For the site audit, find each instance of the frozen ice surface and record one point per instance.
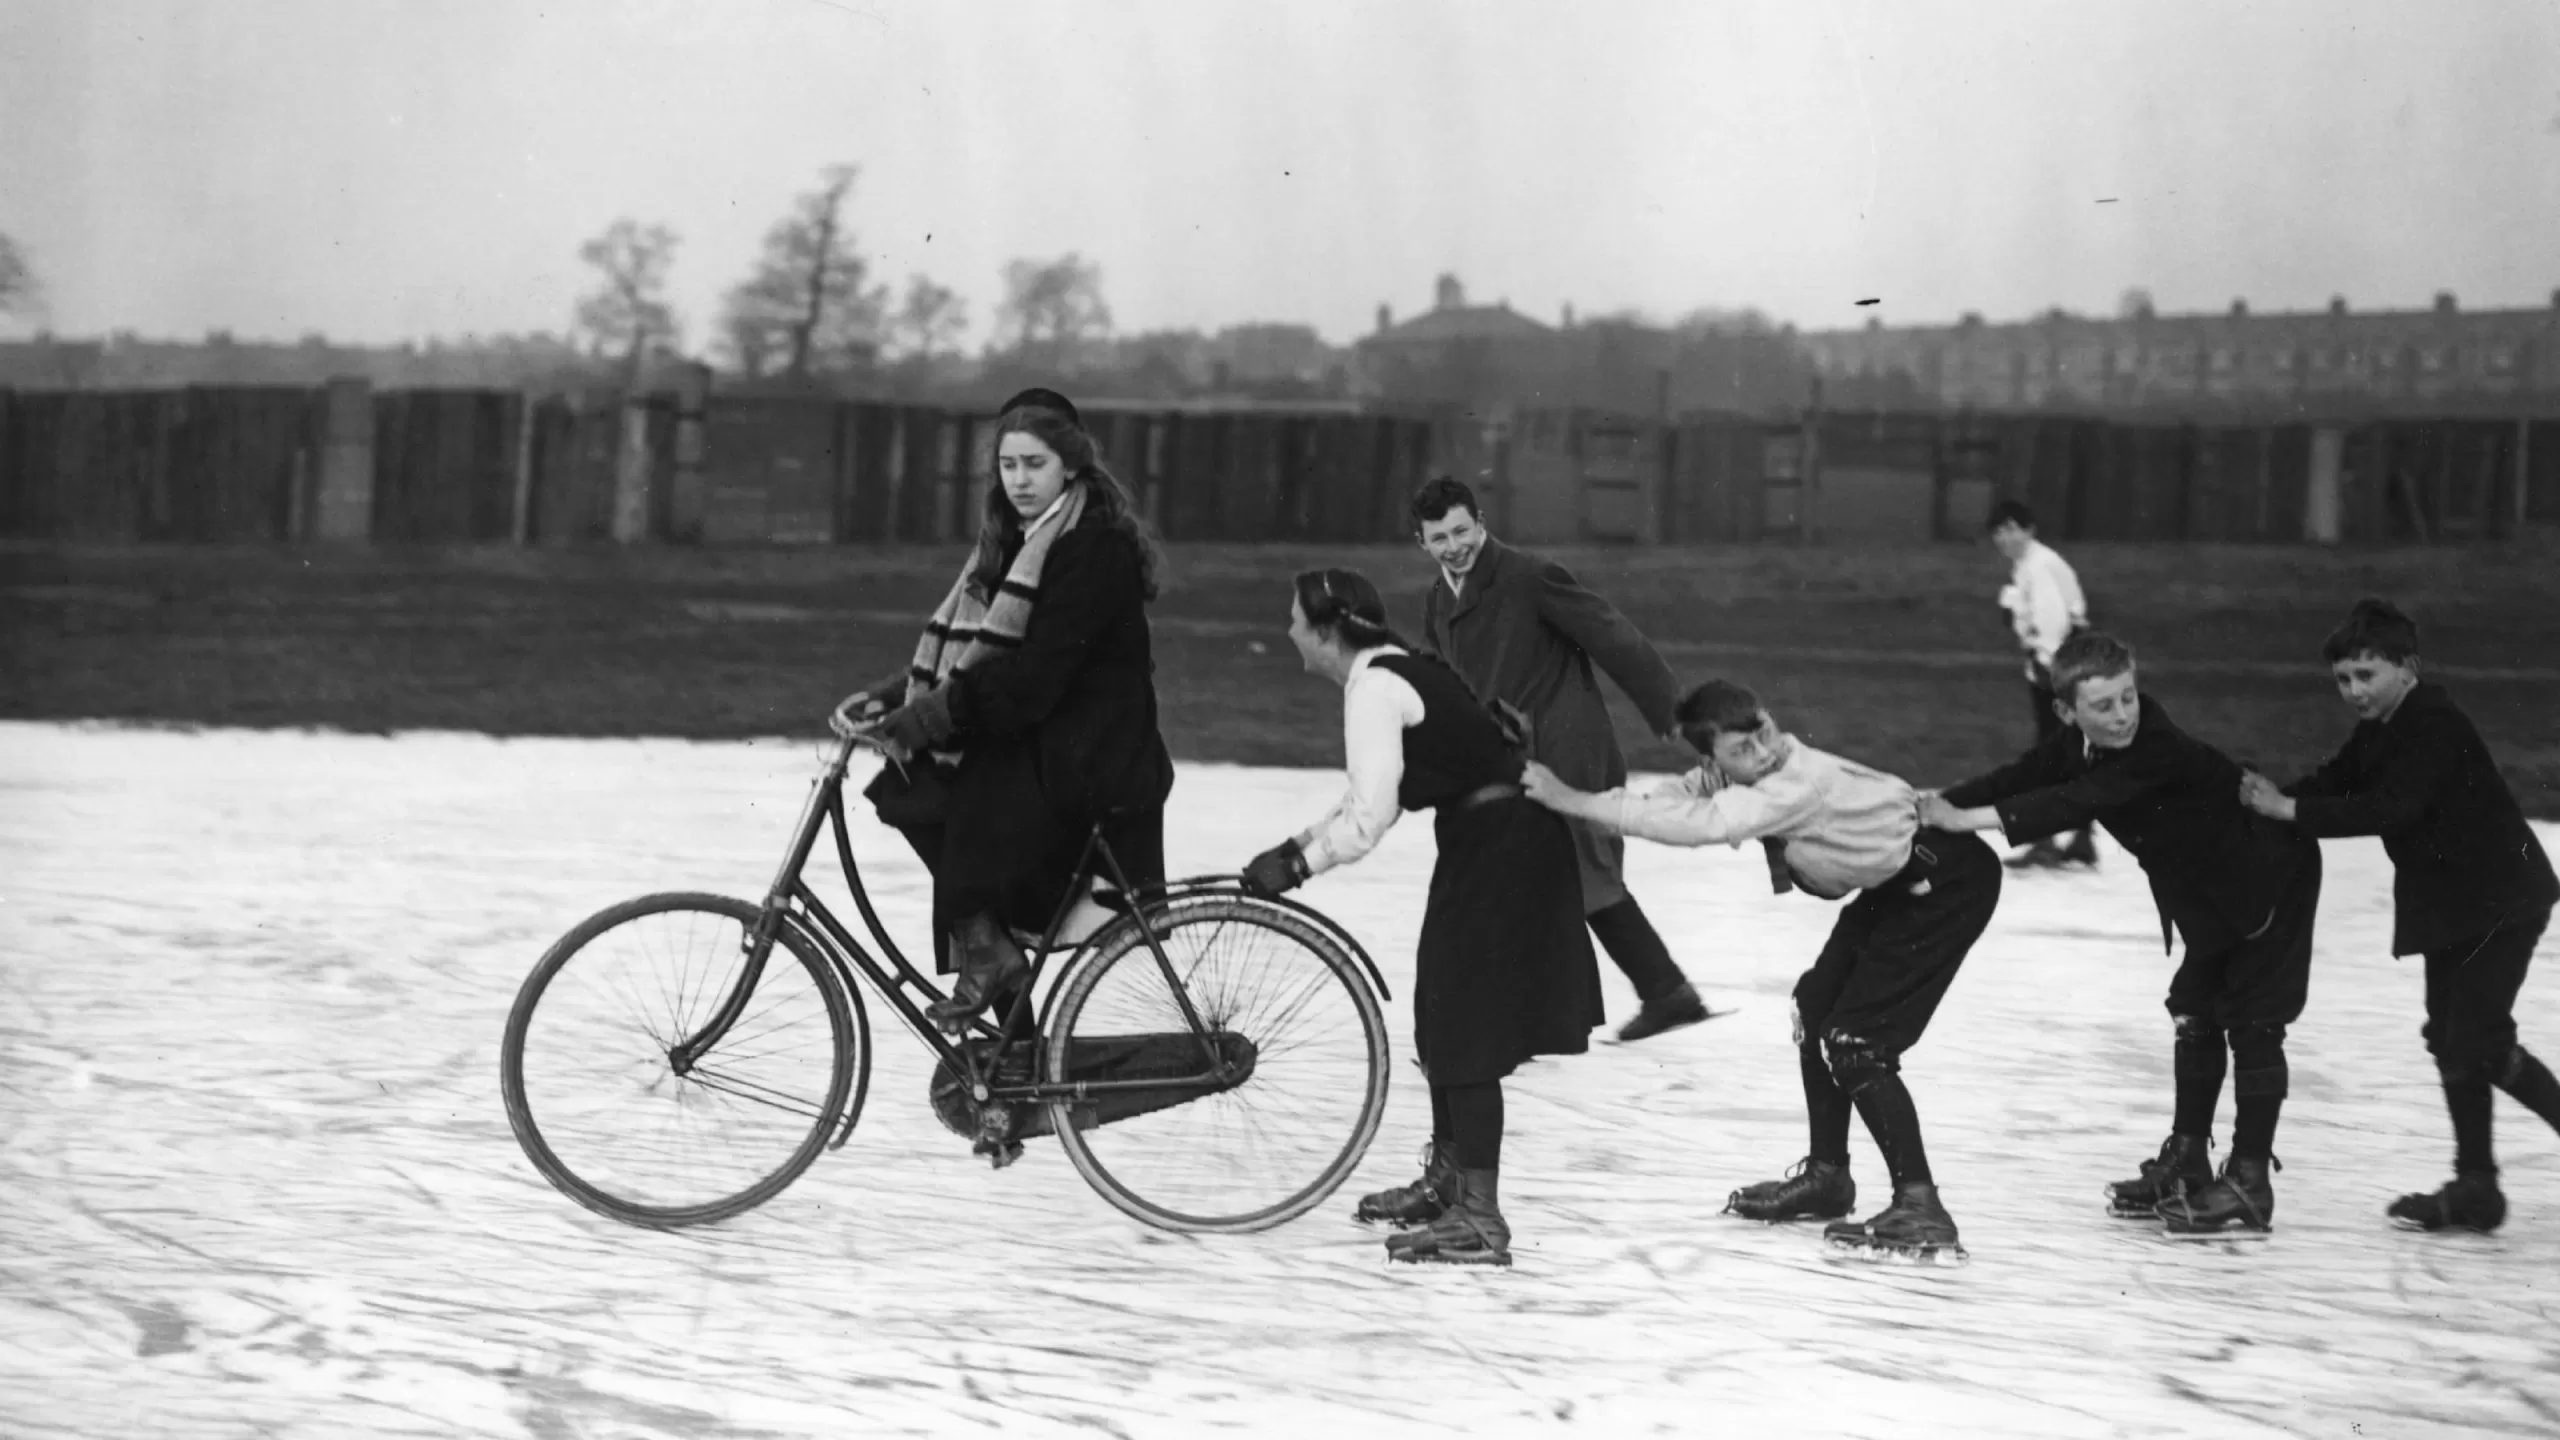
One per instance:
(255, 1178)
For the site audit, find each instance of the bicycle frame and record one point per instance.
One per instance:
(789, 901)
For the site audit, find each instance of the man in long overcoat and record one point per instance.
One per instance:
(1522, 630)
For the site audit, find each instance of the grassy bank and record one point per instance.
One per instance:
(1898, 657)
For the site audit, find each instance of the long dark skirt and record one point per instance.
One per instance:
(1504, 970)
(1003, 847)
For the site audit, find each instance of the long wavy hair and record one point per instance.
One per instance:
(1000, 529)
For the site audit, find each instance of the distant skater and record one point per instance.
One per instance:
(2242, 890)
(2045, 607)
(2471, 889)
(1504, 969)
(1921, 898)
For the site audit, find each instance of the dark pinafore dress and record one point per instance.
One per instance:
(1504, 970)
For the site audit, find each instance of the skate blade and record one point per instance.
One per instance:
(2228, 1232)
(1483, 1259)
(1939, 1257)
(1776, 1220)
(2146, 1212)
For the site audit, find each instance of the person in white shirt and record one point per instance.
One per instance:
(1921, 899)
(1504, 969)
(2046, 607)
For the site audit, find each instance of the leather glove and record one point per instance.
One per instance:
(880, 697)
(923, 723)
(1781, 879)
(1276, 871)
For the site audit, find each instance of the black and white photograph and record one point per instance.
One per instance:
(736, 719)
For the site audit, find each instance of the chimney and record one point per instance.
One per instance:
(1448, 294)
(2337, 304)
(2444, 302)
(1386, 319)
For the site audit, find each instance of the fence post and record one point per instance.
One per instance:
(2320, 497)
(631, 471)
(687, 487)
(344, 510)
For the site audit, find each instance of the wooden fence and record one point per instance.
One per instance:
(461, 466)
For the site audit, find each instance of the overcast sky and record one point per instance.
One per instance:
(381, 169)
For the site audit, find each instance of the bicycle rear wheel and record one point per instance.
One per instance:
(602, 1113)
(1283, 1002)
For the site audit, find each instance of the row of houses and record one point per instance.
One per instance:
(2332, 361)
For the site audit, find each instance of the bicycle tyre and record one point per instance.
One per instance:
(836, 1036)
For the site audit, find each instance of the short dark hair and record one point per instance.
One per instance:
(1437, 497)
(2089, 655)
(2374, 627)
(1719, 707)
(2010, 512)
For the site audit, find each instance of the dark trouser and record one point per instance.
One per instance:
(1636, 948)
(2243, 995)
(1871, 992)
(2471, 1032)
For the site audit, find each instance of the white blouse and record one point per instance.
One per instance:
(1378, 706)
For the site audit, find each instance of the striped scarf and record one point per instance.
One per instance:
(966, 629)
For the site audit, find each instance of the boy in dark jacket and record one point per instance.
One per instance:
(2240, 888)
(2471, 888)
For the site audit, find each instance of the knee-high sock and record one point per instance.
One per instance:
(1636, 948)
(2531, 1082)
(1884, 1102)
(2258, 1084)
(2197, 1062)
(1475, 1124)
(1826, 1107)
(2467, 1101)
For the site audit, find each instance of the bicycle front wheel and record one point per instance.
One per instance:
(597, 1103)
(1293, 1016)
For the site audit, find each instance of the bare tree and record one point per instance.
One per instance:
(19, 294)
(628, 308)
(1051, 309)
(805, 306)
(2133, 303)
(929, 320)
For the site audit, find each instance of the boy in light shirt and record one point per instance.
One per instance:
(1918, 899)
(2045, 608)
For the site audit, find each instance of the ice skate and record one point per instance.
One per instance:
(1666, 1012)
(1914, 1228)
(2471, 1200)
(1813, 1190)
(1471, 1231)
(1416, 1202)
(2240, 1205)
(2183, 1165)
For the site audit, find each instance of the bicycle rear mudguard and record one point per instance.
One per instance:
(1172, 1056)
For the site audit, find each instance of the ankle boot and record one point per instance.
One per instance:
(2470, 1201)
(2242, 1201)
(1417, 1202)
(989, 964)
(2183, 1165)
(1470, 1232)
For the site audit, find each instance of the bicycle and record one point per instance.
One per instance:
(1210, 1059)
